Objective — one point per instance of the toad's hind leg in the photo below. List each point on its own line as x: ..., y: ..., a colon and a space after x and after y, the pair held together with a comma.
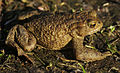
x: 87, y: 54
x: 19, y: 38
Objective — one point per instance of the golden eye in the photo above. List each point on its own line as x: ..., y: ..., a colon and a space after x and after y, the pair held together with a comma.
x: 92, y: 25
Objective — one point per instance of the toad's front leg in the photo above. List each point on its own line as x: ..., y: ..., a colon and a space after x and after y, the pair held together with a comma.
x: 20, y: 39
x: 87, y: 54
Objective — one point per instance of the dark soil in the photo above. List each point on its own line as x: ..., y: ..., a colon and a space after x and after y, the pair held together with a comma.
x: 47, y: 61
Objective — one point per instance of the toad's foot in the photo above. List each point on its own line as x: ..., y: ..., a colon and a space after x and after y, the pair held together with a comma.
x: 20, y: 39
x: 89, y: 55
x: 22, y: 53
x: 86, y: 54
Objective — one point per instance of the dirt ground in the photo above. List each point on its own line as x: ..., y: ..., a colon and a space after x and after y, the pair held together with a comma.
x: 47, y: 61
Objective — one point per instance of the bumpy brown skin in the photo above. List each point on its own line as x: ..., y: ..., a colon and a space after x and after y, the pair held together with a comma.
x: 54, y: 31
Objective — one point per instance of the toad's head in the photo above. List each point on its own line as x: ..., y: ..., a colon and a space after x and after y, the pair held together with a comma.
x: 91, y: 24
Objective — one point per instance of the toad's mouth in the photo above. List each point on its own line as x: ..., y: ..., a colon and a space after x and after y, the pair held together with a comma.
x: 94, y: 31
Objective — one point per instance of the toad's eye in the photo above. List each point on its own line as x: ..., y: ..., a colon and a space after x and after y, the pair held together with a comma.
x: 92, y: 25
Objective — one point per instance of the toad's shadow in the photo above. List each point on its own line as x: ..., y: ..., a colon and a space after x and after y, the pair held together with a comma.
x: 68, y: 51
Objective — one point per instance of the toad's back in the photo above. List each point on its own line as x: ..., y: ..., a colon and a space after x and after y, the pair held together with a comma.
x: 52, y: 31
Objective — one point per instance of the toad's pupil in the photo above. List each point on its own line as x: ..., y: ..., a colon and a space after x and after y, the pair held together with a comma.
x: 98, y: 22
x: 93, y: 24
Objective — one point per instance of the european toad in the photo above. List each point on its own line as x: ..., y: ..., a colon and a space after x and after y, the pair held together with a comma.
x: 54, y: 31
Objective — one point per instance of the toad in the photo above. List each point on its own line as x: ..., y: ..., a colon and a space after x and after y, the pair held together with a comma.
x: 55, y: 31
